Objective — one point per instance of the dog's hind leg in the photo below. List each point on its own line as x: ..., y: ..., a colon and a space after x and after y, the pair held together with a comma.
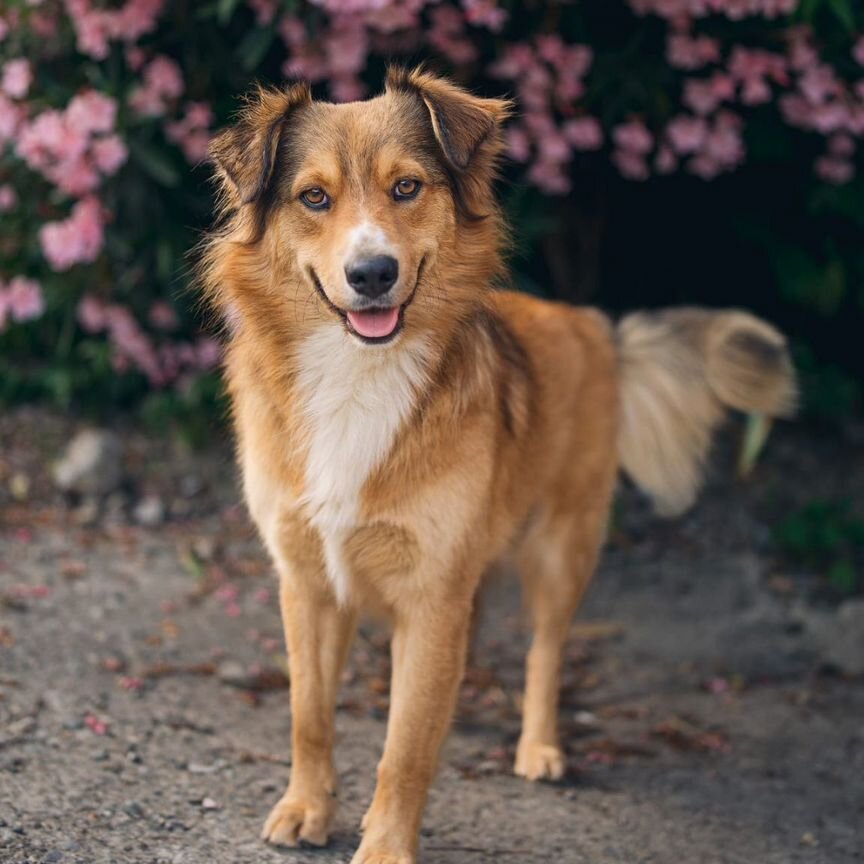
x: 318, y: 634
x: 556, y: 562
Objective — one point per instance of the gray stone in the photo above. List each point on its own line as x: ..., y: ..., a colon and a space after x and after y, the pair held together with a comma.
x: 149, y: 511
x: 845, y: 640
x: 91, y: 464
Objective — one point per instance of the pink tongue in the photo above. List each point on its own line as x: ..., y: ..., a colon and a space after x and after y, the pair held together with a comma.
x: 375, y: 323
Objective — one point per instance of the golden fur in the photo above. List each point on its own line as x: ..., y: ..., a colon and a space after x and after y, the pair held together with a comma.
x: 389, y: 477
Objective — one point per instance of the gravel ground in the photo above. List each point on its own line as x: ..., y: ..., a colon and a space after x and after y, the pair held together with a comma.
x: 143, y: 700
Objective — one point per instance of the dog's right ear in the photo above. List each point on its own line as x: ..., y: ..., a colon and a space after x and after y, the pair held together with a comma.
x: 245, y: 154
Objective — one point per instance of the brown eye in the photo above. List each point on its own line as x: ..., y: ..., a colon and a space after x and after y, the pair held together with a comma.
x: 315, y: 198
x: 406, y: 189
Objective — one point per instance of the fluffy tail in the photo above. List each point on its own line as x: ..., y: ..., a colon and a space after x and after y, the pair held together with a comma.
x: 680, y: 370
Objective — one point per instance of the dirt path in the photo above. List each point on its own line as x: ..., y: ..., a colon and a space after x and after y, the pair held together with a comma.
x: 143, y: 711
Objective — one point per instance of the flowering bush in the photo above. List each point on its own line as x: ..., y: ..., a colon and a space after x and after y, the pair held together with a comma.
x: 106, y: 109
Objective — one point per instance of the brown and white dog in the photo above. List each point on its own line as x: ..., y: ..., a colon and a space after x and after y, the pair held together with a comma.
x: 401, y: 425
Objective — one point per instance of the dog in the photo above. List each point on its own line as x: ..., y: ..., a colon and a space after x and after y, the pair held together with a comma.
x: 401, y: 424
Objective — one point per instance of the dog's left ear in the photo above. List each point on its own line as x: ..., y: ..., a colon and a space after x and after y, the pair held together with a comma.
x: 245, y: 153
x: 467, y: 127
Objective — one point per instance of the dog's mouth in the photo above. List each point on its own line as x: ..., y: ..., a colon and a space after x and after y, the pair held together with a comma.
x: 372, y: 324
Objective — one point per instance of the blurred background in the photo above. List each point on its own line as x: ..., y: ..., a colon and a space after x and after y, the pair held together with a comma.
x: 664, y: 152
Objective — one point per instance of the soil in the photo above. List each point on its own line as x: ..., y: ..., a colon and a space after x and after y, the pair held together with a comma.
x: 143, y: 695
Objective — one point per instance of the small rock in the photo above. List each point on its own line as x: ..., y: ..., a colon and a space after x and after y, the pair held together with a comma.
x: 210, y: 804
x: 87, y: 513
x: 19, y: 485
x: 845, y: 641
x: 587, y: 719
x: 20, y: 727
x: 91, y: 464
x: 133, y: 809
x: 231, y: 672
x: 198, y: 768
x: 149, y: 511
x: 191, y: 485
x: 838, y: 636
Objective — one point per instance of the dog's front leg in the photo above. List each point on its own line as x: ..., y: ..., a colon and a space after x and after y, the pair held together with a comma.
x: 429, y: 647
x: 318, y: 635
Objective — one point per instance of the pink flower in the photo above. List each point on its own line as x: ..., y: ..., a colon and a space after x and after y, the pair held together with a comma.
x: 584, y: 133
x: 11, y: 116
x: 163, y: 76
x: 265, y: 11
x: 755, y: 92
x: 633, y: 137
x: 109, y: 154
x: 835, y: 170
x: 75, y: 240
x: 554, y: 148
x: 685, y: 52
x: 75, y: 177
x: 686, y: 134
x: 550, y: 177
x: 95, y: 725
x: 91, y: 112
x: 163, y: 316
x: 700, y: 96
x: 24, y: 299
x: 818, y: 83
x: 163, y: 82
x: 841, y: 145
x: 518, y: 144
x: 135, y: 57
x: 17, y: 78
x: 858, y: 51
x: 191, y: 131
x: 92, y: 314
x: 631, y: 164
x: 666, y: 161
x: 486, y: 13
x: 8, y: 198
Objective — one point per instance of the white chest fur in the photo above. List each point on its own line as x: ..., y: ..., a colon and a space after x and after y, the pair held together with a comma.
x: 355, y: 398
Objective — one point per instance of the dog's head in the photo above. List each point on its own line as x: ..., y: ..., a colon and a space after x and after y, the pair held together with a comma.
x: 374, y: 207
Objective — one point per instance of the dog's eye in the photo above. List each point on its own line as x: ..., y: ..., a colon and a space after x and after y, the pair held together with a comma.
x: 405, y: 189
x: 315, y: 198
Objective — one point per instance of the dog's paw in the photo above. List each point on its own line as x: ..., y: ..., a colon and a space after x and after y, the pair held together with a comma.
x: 536, y: 761
x: 381, y: 856
x: 294, y: 820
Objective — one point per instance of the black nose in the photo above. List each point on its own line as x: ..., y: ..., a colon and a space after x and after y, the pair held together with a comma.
x: 373, y: 277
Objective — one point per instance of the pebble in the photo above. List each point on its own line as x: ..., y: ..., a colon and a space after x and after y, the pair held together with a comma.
x: 149, y: 511
x: 198, y: 768
x: 91, y: 464
x: 133, y: 809
x: 233, y: 673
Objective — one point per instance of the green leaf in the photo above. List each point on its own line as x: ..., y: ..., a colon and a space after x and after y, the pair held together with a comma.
x: 844, y: 13
x: 155, y: 163
x: 807, y: 10
x: 254, y: 46
x: 803, y: 279
x: 226, y: 10
x: 843, y: 577
x: 756, y: 434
